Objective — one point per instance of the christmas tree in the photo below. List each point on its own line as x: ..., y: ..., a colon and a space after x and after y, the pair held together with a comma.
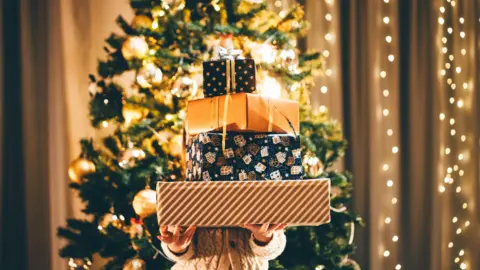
x: 164, y: 47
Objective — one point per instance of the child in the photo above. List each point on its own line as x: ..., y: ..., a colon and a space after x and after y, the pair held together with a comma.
x: 246, y: 248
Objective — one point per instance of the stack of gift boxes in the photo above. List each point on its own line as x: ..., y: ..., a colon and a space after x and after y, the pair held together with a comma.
x: 235, y: 134
x: 234, y: 139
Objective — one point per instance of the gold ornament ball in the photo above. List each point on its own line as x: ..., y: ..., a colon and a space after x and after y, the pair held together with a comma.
x: 144, y: 203
x: 79, y: 168
x: 134, y: 47
x: 134, y: 264
x: 130, y: 157
x: 79, y: 263
x: 133, y: 113
x: 142, y: 21
x: 176, y: 146
x: 149, y: 75
x: 184, y: 86
x: 313, y: 167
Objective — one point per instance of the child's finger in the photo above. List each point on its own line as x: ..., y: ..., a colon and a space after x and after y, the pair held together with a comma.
x: 264, y: 228
x: 281, y: 227
x: 164, y: 230
x: 188, y: 233
x: 167, y: 240
x: 189, y: 237
x: 274, y: 227
x: 176, y: 234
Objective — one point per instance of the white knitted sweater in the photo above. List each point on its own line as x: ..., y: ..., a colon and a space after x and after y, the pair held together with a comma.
x: 227, y: 248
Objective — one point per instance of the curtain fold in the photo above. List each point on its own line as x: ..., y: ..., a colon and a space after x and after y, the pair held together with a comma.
x: 13, y: 223
x: 426, y: 217
x: 419, y: 103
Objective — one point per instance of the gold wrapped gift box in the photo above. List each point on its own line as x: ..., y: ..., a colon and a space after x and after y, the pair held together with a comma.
x: 232, y: 203
x: 243, y: 113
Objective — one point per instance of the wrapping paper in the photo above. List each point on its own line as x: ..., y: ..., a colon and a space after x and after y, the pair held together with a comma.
x: 247, y: 156
x: 225, y: 76
x: 243, y: 113
x: 232, y: 203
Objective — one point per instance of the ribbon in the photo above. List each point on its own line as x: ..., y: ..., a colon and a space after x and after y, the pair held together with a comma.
x: 229, y: 55
x: 214, y: 113
x: 228, y: 98
x: 270, y: 119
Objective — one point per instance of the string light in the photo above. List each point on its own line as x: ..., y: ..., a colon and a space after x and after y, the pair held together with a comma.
x: 454, y: 70
x: 388, y: 90
x: 329, y: 40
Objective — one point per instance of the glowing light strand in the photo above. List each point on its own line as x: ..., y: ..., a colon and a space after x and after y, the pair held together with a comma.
x: 387, y: 64
x: 456, y: 109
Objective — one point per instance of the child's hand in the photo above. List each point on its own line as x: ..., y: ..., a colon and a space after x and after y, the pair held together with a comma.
x: 176, y: 241
x: 264, y: 233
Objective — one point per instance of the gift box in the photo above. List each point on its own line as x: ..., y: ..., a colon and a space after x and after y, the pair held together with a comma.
x: 245, y: 156
x: 243, y: 113
x: 232, y: 203
x: 228, y: 76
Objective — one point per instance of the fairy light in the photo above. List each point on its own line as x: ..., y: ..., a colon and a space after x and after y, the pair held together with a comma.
x: 328, y: 79
x: 386, y: 76
x: 455, y: 70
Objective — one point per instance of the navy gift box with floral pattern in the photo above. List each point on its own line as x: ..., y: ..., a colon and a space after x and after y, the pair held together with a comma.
x: 247, y: 156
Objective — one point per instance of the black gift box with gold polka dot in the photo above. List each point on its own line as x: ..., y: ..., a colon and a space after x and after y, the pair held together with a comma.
x: 247, y: 156
x: 224, y: 76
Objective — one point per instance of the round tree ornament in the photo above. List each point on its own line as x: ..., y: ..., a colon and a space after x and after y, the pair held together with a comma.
x: 130, y: 157
x: 149, y: 75
x: 80, y: 168
x: 134, y: 47
x: 134, y: 264
x: 142, y: 21
x: 184, y: 86
x: 144, y: 202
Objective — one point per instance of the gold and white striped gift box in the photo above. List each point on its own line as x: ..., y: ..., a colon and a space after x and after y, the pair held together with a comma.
x: 232, y: 203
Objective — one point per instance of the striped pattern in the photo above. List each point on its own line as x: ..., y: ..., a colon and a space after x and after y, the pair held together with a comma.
x: 231, y: 203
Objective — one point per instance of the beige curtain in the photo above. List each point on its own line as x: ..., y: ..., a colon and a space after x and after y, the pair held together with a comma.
x: 54, y: 44
x: 413, y: 128
x: 84, y: 26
